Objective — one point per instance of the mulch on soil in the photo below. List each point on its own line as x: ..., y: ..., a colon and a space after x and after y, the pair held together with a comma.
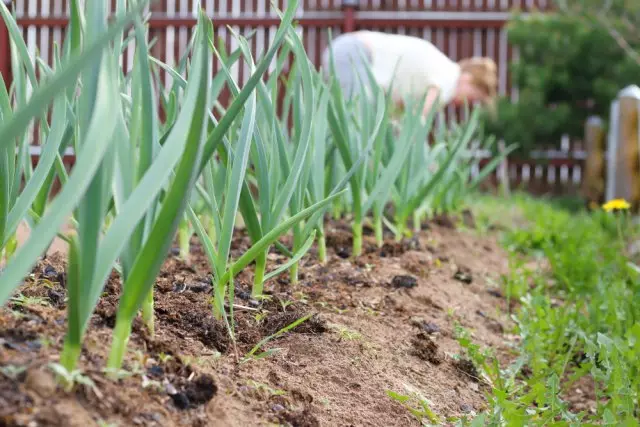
x: 380, y: 322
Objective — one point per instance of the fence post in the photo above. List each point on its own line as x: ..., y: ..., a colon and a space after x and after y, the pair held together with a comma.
x: 594, y: 170
x: 503, y: 171
x: 349, y: 8
x: 623, y: 177
x: 5, y: 49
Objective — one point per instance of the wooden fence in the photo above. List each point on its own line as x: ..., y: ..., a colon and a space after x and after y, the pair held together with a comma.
x: 460, y: 28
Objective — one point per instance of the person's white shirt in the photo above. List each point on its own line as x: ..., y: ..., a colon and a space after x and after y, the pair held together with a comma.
x: 412, y: 64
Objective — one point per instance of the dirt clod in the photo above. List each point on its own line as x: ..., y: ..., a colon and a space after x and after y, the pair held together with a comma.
x: 444, y: 221
x: 195, y: 393
x: 495, y: 293
x: 463, y: 274
x: 404, y: 281
x: 343, y: 252
x: 40, y: 382
x: 426, y: 349
x: 200, y: 287
x: 467, y: 369
x: 466, y: 408
x: 302, y: 418
x: 56, y: 297
x: 202, y: 390
x: 276, y: 322
x: 428, y: 327
x: 180, y: 400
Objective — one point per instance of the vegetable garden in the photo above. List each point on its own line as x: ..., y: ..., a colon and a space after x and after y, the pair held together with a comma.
x: 305, y: 262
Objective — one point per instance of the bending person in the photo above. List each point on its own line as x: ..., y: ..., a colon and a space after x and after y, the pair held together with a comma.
x: 412, y: 67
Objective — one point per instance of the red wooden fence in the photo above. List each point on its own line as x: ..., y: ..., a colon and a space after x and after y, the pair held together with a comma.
x: 460, y: 28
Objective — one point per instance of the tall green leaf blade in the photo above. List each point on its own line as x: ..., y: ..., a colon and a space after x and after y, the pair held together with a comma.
x: 88, y: 162
x: 238, y: 103
x: 153, y: 252
x: 304, y: 136
x: 235, y: 180
x: 45, y: 163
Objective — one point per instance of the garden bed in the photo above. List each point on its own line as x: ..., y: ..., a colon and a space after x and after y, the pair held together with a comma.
x: 380, y: 322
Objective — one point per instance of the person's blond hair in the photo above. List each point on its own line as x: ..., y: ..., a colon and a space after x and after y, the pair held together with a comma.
x: 484, y: 75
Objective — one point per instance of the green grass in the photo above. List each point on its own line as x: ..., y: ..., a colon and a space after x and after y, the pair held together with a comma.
x: 577, y: 317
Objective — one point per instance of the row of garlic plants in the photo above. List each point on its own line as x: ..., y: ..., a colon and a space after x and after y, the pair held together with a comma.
x: 141, y: 179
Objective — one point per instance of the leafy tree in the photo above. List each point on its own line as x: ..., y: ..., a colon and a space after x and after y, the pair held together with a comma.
x: 570, y: 67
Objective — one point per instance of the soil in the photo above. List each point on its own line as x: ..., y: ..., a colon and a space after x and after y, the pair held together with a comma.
x: 379, y: 322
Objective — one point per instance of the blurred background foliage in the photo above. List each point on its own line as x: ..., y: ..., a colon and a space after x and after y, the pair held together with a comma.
x: 571, y: 65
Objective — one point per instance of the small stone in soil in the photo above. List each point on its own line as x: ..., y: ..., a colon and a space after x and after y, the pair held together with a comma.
x: 175, y: 251
x: 463, y: 275
x: 430, y: 328
x: 179, y: 287
x: 277, y: 408
x: 50, y: 272
x: 155, y: 371
x: 243, y: 295
x: 466, y: 408
x: 404, y: 281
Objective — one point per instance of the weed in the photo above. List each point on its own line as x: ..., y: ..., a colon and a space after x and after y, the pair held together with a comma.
x: 576, y: 320
x: 418, y: 405
x: 26, y: 301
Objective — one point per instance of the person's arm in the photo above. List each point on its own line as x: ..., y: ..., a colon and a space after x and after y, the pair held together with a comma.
x: 430, y: 101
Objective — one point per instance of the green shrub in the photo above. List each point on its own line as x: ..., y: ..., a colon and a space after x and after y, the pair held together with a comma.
x: 568, y: 68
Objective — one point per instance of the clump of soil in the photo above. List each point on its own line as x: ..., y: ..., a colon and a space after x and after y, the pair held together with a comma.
x: 275, y: 323
x: 467, y: 369
x: 378, y: 323
x: 299, y: 419
x: 426, y: 349
x: 404, y: 281
x: 195, y: 393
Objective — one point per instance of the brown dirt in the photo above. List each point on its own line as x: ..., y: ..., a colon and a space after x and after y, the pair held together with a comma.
x: 380, y: 322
